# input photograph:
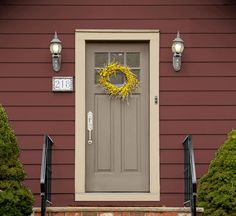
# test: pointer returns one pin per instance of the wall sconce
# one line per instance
(55, 49)
(177, 49)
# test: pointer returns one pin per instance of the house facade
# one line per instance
(135, 157)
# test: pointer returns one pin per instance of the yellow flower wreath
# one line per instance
(125, 90)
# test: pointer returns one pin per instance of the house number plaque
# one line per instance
(62, 84)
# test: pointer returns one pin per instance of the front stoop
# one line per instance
(116, 211)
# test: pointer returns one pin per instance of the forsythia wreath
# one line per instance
(125, 90)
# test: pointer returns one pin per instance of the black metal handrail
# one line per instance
(46, 172)
(190, 179)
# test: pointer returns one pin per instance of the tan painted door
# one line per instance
(118, 158)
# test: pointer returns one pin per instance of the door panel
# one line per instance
(131, 136)
(103, 148)
(118, 158)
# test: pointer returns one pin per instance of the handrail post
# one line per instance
(190, 179)
(46, 171)
(43, 206)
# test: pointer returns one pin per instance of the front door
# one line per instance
(117, 158)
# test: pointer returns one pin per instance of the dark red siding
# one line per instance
(199, 100)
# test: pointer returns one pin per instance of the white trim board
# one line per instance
(81, 37)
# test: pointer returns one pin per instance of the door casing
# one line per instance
(81, 37)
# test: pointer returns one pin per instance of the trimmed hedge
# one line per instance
(217, 189)
(15, 198)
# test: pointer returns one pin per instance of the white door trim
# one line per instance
(81, 37)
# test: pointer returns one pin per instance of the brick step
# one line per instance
(116, 211)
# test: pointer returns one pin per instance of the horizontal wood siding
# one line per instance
(199, 100)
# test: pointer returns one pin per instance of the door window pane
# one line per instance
(133, 59)
(117, 57)
(96, 72)
(101, 59)
(137, 73)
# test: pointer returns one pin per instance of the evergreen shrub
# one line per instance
(217, 189)
(15, 198)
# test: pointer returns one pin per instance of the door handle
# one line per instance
(90, 126)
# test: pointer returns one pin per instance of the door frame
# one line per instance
(81, 37)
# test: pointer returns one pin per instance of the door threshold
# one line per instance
(117, 197)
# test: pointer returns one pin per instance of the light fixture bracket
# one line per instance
(177, 62)
(56, 62)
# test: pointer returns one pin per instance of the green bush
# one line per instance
(15, 198)
(217, 189)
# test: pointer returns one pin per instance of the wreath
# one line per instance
(123, 92)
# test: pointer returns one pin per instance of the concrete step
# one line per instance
(116, 211)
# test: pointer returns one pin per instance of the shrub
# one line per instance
(15, 198)
(217, 189)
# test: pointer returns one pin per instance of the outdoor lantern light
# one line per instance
(177, 49)
(55, 49)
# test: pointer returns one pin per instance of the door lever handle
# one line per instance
(90, 138)
(90, 126)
